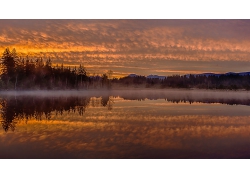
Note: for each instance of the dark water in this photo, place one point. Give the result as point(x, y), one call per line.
point(125, 124)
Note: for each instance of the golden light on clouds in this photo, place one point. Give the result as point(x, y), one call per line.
point(150, 44)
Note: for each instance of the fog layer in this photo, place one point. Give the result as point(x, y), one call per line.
point(137, 94)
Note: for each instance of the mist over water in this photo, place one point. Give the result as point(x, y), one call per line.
point(138, 123)
point(172, 95)
point(137, 93)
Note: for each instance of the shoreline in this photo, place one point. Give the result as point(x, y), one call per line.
point(124, 89)
point(134, 93)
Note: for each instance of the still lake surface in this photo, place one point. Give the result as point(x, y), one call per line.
point(125, 124)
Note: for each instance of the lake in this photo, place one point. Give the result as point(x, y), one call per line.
point(125, 124)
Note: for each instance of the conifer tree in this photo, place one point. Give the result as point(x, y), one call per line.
point(8, 65)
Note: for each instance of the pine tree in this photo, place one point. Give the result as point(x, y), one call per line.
point(81, 72)
point(8, 64)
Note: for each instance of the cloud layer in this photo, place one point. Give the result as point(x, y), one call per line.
point(134, 46)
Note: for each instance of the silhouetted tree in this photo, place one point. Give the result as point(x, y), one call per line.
point(81, 72)
point(20, 73)
point(8, 66)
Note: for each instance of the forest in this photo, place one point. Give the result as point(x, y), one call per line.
point(228, 82)
point(23, 73)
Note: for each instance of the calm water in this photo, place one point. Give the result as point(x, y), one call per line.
point(125, 124)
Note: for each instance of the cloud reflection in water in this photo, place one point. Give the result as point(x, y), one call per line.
point(85, 127)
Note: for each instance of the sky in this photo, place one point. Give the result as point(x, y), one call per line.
point(140, 46)
point(205, 32)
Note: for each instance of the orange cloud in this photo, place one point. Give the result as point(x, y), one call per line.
point(135, 41)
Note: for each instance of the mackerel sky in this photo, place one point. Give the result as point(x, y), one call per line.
point(144, 47)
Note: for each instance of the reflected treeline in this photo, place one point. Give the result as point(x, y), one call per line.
point(183, 98)
point(210, 101)
point(206, 100)
point(13, 108)
point(21, 107)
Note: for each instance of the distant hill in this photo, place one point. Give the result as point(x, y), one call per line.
point(213, 74)
point(187, 75)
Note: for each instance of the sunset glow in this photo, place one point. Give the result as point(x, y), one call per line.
point(144, 47)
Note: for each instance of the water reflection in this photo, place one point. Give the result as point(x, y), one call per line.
point(125, 125)
point(20, 107)
point(26, 107)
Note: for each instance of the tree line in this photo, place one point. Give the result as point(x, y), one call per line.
point(230, 82)
point(25, 73)
point(21, 73)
